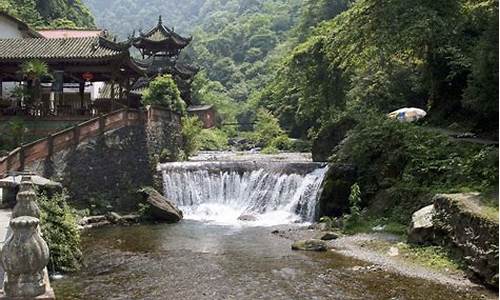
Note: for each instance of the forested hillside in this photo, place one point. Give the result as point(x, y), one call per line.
point(234, 42)
point(382, 55)
point(50, 13)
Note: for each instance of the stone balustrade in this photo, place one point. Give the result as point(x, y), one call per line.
point(25, 254)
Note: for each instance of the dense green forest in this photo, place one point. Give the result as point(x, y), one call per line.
point(235, 42)
point(382, 55)
point(311, 62)
point(50, 13)
point(332, 69)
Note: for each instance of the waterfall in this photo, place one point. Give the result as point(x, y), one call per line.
point(271, 192)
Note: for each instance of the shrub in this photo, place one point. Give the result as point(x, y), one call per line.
point(191, 133)
point(268, 133)
point(354, 201)
point(163, 91)
point(60, 231)
point(213, 139)
point(393, 154)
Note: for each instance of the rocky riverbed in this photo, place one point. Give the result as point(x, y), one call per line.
point(194, 260)
point(380, 252)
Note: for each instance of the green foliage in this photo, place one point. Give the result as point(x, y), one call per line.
point(192, 129)
point(389, 55)
point(164, 92)
point(50, 13)
point(268, 133)
point(481, 94)
point(234, 41)
point(166, 155)
point(13, 134)
point(213, 139)
point(60, 231)
point(389, 153)
point(353, 218)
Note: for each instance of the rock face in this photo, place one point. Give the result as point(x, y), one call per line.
point(422, 228)
point(161, 209)
point(459, 222)
point(471, 232)
point(334, 199)
point(329, 138)
point(310, 245)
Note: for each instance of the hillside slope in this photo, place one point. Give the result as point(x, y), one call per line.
point(50, 13)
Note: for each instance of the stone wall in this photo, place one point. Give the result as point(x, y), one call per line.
point(470, 232)
point(103, 162)
point(465, 226)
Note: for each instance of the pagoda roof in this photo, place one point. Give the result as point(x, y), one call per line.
point(161, 64)
point(161, 35)
point(66, 49)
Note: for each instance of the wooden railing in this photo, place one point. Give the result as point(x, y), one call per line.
point(94, 109)
point(44, 148)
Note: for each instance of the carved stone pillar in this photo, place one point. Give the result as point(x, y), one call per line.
point(26, 200)
point(24, 258)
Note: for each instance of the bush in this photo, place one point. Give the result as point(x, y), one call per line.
point(389, 154)
point(60, 231)
point(192, 128)
point(268, 134)
point(164, 92)
point(13, 134)
point(213, 139)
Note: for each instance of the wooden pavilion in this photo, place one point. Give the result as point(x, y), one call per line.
point(74, 63)
point(160, 48)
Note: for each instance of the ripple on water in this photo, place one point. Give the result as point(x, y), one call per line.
point(192, 260)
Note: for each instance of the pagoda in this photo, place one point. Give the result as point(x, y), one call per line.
point(160, 49)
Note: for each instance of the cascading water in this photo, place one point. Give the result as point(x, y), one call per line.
point(221, 192)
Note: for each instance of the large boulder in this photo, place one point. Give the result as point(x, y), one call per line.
point(329, 137)
point(462, 223)
point(310, 245)
point(472, 231)
point(422, 227)
point(160, 208)
point(334, 198)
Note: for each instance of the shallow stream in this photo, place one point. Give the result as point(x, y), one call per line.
point(213, 255)
point(193, 260)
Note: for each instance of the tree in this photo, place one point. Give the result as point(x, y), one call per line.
point(164, 92)
point(35, 70)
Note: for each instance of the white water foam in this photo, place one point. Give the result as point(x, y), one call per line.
point(271, 194)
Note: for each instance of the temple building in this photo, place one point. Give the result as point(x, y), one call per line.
point(160, 49)
point(89, 73)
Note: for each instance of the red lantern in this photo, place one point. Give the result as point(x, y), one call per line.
point(88, 76)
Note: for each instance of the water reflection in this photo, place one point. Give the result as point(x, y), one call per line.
point(192, 260)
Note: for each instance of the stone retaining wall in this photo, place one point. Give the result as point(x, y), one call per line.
point(459, 219)
point(103, 161)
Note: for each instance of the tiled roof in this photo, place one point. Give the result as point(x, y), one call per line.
point(163, 34)
point(72, 49)
point(69, 33)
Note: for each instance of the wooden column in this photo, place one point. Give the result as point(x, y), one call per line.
point(113, 89)
point(81, 90)
point(127, 87)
